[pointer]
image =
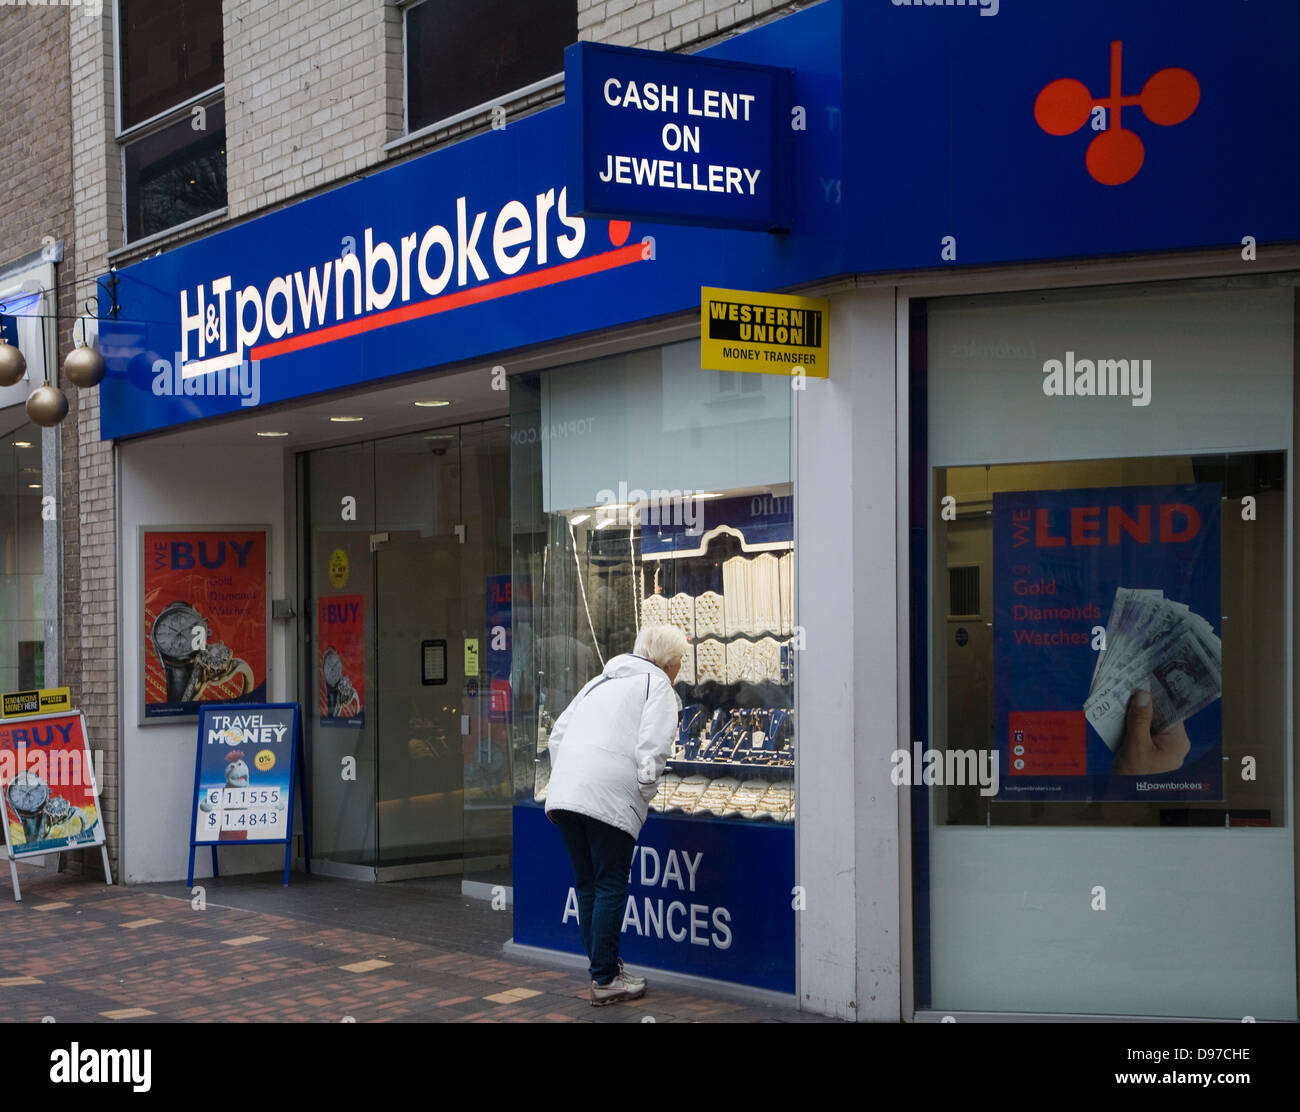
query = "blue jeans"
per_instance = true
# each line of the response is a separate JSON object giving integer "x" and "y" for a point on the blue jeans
{"x": 602, "y": 856}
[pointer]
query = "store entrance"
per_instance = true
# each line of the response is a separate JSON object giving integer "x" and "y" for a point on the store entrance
{"x": 406, "y": 645}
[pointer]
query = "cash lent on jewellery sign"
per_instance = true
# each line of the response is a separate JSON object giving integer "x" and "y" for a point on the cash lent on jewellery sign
{"x": 772, "y": 333}
{"x": 677, "y": 139}
{"x": 47, "y": 700}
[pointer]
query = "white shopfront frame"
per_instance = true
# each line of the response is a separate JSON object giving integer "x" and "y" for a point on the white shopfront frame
{"x": 1220, "y": 264}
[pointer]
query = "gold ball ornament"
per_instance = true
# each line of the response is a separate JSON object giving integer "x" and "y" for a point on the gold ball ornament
{"x": 12, "y": 364}
{"x": 47, "y": 405}
{"x": 84, "y": 366}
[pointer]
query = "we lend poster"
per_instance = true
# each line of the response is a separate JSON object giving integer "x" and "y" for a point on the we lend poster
{"x": 1104, "y": 598}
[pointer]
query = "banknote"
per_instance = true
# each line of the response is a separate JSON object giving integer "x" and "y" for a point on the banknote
{"x": 1157, "y": 645}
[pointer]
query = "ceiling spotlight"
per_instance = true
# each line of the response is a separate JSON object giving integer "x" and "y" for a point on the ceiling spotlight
{"x": 33, "y": 486}
{"x": 346, "y": 420}
{"x": 431, "y": 403}
{"x": 272, "y": 434}
{"x": 22, "y": 443}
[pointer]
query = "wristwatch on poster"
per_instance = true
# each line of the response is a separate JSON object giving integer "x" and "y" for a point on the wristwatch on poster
{"x": 189, "y": 671}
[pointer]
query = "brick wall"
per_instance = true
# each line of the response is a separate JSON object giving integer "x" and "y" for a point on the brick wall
{"x": 307, "y": 95}
{"x": 92, "y": 559}
{"x": 673, "y": 24}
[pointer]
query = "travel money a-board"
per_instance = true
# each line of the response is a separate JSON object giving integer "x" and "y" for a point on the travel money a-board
{"x": 51, "y": 796}
{"x": 248, "y": 760}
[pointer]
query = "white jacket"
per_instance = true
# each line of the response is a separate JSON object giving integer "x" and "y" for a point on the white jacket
{"x": 610, "y": 745}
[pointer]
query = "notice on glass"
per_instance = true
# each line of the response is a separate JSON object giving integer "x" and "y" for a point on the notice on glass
{"x": 341, "y": 626}
{"x": 1108, "y": 667}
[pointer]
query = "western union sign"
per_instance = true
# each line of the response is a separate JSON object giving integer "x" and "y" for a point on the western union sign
{"x": 48, "y": 700}
{"x": 772, "y": 333}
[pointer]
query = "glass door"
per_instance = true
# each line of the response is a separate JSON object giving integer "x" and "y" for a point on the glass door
{"x": 408, "y": 650}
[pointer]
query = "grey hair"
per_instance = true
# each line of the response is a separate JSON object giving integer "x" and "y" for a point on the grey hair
{"x": 664, "y": 644}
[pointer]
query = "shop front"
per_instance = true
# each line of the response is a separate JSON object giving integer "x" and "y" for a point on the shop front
{"x": 1049, "y": 465}
{"x": 466, "y": 430}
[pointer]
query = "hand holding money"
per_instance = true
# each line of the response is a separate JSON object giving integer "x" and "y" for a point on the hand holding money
{"x": 1144, "y": 754}
{"x": 1160, "y": 647}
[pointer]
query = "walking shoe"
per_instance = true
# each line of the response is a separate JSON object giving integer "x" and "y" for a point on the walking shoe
{"x": 633, "y": 981}
{"x": 617, "y": 989}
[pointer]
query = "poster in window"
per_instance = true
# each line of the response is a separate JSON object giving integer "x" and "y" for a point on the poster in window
{"x": 1107, "y": 657}
{"x": 341, "y": 628}
{"x": 204, "y": 622}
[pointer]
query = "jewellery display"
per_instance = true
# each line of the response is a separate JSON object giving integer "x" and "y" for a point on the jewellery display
{"x": 744, "y": 800}
{"x": 687, "y": 794}
{"x": 785, "y": 573}
{"x": 709, "y": 617}
{"x": 716, "y": 796}
{"x": 687, "y": 673}
{"x": 681, "y": 613}
{"x": 776, "y": 803}
{"x": 735, "y": 595}
{"x": 731, "y": 594}
{"x": 741, "y": 663}
{"x": 654, "y": 610}
{"x": 710, "y": 662}
{"x": 664, "y": 792}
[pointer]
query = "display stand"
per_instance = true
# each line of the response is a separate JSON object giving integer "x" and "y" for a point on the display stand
{"x": 52, "y": 814}
{"x": 242, "y": 784}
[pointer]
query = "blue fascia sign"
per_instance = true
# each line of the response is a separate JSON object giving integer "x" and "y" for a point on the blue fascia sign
{"x": 677, "y": 139}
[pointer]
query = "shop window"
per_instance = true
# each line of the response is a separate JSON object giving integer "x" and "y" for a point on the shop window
{"x": 22, "y": 570}
{"x": 639, "y": 499}
{"x": 1101, "y": 637}
{"x": 171, "y": 112}
{"x": 461, "y": 54}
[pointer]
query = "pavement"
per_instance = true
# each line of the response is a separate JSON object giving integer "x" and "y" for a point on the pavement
{"x": 321, "y": 950}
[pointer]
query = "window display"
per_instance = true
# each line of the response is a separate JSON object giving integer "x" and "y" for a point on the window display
{"x": 623, "y": 531}
{"x": 1102, "y": 609}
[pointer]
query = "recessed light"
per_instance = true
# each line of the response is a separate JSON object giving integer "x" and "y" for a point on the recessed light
{"x": 33, "y": 486}
{"x": 22, "y": 443}
{"x": 430, "y": 403}
{"x": 272, "y": 434}
{"x": 346, "y": 420}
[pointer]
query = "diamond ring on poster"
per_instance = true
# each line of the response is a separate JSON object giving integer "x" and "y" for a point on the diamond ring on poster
{"x": 51, "y": 797}
{"x": 248, "y": 760}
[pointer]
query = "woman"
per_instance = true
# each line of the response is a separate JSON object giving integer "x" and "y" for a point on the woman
{"x": 608, "y": 750}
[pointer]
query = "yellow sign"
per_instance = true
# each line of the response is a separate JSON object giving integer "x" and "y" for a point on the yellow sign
{"x": 771, "y": 333}
{"x": 48, "y": 700}
{"x": 338, "y": 569}
{"x": 471, "y": 656}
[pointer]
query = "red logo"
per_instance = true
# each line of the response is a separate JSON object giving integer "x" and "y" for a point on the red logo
{"x": 1115, "y": 156}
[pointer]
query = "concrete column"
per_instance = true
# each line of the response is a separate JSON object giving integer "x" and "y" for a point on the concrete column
{"x": 846, "y": 552}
